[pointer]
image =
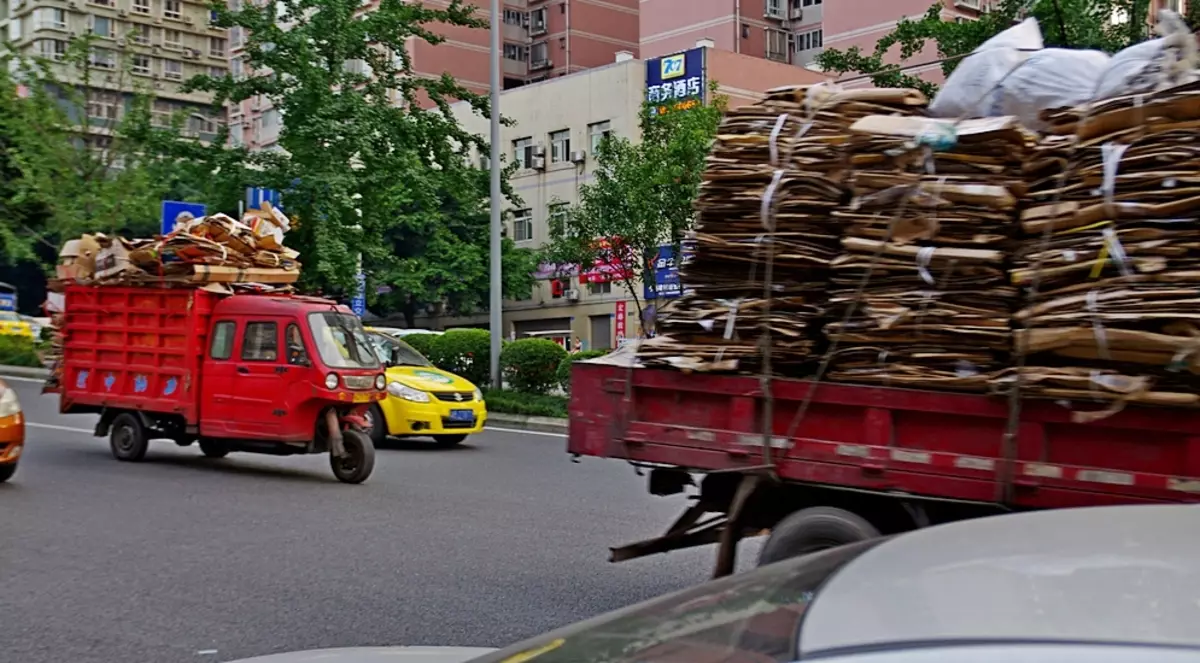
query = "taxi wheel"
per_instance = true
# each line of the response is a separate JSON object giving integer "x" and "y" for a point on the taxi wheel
{"x": 7, "y": 471}
{"x": 213, "y": 449}
{"x": 378, "y": 429}
{"x": 359, "y": 460}
{"x": 127, "y": 439}
{"x": 447, "y": 441}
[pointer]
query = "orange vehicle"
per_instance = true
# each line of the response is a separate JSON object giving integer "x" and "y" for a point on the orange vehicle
{"x": 272, "y": 374}
{"x": 12, "y": 431}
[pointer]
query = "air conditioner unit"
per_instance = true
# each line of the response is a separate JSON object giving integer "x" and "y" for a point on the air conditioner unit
{"x": 187, "y": 19}
{"x": 484, "y": 162}
{"x": 539, "y": 150}
{"x": 572, "y": 294}
{"x": 578, "y": 156}
{"x": 797, "y": 14}
{"x": 539, "y": 163}
{"x": 122, "y": 13}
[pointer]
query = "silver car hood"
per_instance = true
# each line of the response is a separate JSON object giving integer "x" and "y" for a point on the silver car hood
{"x": 375, "y": 655}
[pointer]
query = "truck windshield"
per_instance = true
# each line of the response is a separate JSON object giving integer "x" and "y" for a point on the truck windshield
{"x": 341, "y": 340}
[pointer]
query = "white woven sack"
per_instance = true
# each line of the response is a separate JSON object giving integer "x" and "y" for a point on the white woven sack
{"x": 971, "y": 90}
{"x": 1051, "y": 78}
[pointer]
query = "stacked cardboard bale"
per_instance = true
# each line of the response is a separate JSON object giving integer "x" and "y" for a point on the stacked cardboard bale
{"x": 1110, "y": 259}
{"x": 919, "y": 295}
{"x": 771, "y": 183}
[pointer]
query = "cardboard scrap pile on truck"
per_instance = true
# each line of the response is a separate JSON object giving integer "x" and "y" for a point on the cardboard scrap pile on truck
{"x": 901, "y": 313}
{"x": 197, "y": 337}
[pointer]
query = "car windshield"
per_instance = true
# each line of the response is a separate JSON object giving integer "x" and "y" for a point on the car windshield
{"x": 341, "y": 340}
{"x": 394, "y": 352}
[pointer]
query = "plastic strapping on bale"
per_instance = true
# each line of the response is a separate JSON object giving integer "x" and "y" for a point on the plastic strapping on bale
{"x": 1098, "y": 325}
{"x": 775, "y": 136}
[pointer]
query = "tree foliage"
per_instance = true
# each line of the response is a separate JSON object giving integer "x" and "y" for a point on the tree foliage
{"x": 1064, "y": 23}
{"x": 363, "y": 168}
{"x": 641, "y": 197}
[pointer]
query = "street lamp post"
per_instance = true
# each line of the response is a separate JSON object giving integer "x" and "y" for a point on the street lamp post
{"x": 496, "y": 317}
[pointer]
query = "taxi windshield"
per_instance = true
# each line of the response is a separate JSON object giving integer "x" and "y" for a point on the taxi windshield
{"x": 394, "y": 352}
{"x": 341, "y": 340}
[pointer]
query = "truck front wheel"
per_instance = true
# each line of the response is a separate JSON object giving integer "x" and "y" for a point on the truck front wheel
{"x": 359, "y": 460}
{"x": 127, "y": 439}
{"x": 213, "y": 448}
{"x": 813, "y": 529}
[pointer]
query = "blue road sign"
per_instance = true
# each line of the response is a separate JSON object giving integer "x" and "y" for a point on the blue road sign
{"x": 174, "y": 211}
{"x": 359, "y": 303}
{"x": 256, "y": 195}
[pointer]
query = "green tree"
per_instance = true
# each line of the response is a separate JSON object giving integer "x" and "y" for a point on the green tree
{"x": 641, "y": 197}
{"x": 1064, "y": 23}
{"x": 364, "y": 169}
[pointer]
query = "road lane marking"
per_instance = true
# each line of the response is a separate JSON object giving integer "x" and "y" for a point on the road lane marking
{"x": 523, "y": 432}
{"x": 86, "y": 431}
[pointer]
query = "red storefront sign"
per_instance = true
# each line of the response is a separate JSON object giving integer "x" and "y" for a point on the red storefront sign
{"x": 619, "y": 321}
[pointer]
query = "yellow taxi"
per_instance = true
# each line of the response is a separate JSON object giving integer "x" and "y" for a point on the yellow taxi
{"x": 423, "y": 400}
{"x": 12, "y": 431}
{"x": 11, "y": 324}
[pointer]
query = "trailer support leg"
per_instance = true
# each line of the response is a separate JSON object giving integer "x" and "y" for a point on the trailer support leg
{"x": 732, "y": 533}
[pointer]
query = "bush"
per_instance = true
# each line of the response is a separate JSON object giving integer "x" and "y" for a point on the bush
{"x": 18, "y": 351}
{"x": 564, "y": 367}
{"x": 532, "y": 405}
{"x": 423, "y": 343}
{"x": 531, "y": 364}
{"x": 465, "y": 352}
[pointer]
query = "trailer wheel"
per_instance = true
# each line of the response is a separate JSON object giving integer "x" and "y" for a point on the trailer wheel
{"x": 359, "y": 460}
{"x": 813, "y": 529}
{"x": 213, "y": 448}
{"x": 127, "y": 439}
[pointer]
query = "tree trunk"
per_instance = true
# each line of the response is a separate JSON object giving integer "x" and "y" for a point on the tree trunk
{"x": 410, "y": 313}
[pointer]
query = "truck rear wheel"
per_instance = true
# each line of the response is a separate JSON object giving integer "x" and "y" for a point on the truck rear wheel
{"x": 359, "y": 460}
{"x": 813, "y": 529}
{"x": 213, "y": 448}
{"x": 7, "y": 471}
{"x": 127, "y": 439}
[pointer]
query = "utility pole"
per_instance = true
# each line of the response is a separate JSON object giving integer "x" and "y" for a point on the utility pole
{"x": 497, "y": 299}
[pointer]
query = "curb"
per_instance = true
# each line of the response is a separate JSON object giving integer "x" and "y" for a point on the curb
{"x": 524, "y": 422}
{"x": 24, "y": 372}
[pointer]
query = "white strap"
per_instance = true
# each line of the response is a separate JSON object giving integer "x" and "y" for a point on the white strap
{"x": 779, "y": 122}
{"x": 924, "y": 255}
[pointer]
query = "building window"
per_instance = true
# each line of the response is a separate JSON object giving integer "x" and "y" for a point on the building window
{"x": 102, "y": 3}
{"x": 216, "y": 47}
{"x": 161, "y": 113}
{"x": 537, "y": 21}
{"x": 560, "y": 146}
{"x": 173, "y": 69}
{"x": 237, "y": 37}
{"x": 235, "y": 68}
{"x": 52, "y": 49}
{"x": 523, "y": 225}
{"x": 173, "y": 9}
{"x": 103, "y": 58}
{"x": 539, "y": 55}
{"x": 516, "y": 52}
{"x": 48, "y": 18}
{"x": 600, "y": 288}
{"x": 104, "y": 106}
{"x": 235, "y": 135}
{"x": 807, "y": 41}
{"x": 557, "y": 213}
{"x": 140, "y": 64}
{"x": 102, "y": 27}
{"x": 777, "y": 45}
{"x": 514, "y": 17}
{"x": 597, "y": 132}
{"x": 172, "y": 39}
{"x": 140, "y": 33}
{"x": 270, "y": 120}
{"x": 141, "y": 6}
{"x": 201, "y": 124}
{"x": 775, "y": 9}
{"x": 216, "y": 72}
{"x": 523, "y": 152}
{"x": 810, "y": 3}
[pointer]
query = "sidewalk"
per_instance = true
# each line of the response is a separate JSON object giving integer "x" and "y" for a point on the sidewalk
{"x": 23, "y": 372}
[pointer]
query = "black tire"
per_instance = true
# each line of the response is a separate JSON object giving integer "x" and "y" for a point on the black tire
{"x": 127, "y": 439}
{"x": 214, "y": 448}
{"x": 7, "y": 471}
{"x": 359, "y": 460}
{"x": 447, "y": 441}
{"x": 813, "y": 529}
{"x": 378, "y": 431}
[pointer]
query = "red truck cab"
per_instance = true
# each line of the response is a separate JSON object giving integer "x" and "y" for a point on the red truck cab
{"x": 276, "y": 374}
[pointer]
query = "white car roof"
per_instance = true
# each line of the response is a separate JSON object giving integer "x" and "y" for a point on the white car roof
{"x": 1113, "y": 574}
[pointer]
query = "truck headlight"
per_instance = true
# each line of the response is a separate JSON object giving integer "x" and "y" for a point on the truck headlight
{"x": 380, "y": 382}
{"x": 331, "y": 381}
{"x": 407, "y": 393}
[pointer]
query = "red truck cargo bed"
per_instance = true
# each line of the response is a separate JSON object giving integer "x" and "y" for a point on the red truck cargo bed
{"x": 879, "y": 439}
{"x": 134, "y": 348}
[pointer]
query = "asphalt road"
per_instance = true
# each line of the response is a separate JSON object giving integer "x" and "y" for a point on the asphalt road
{"x": 182, "y": 558}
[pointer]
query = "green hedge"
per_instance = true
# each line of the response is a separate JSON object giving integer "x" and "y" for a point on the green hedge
{"x": 465, "y": 352}
{"x": 18, "y": 351}
{"x": 533, "y": 405}
{"x": 531, "y": 364}
{"x": 423, "y": 343}
{"x": 564, "y": 367}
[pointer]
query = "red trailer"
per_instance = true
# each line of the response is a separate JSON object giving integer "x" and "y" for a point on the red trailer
{"x": 274, "y": 374}
{"x": 862, "y": 461}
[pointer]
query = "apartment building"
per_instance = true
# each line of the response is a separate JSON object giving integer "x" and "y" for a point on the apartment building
{"x": 557, "y": 125}
{"x": 147, "y": 46}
